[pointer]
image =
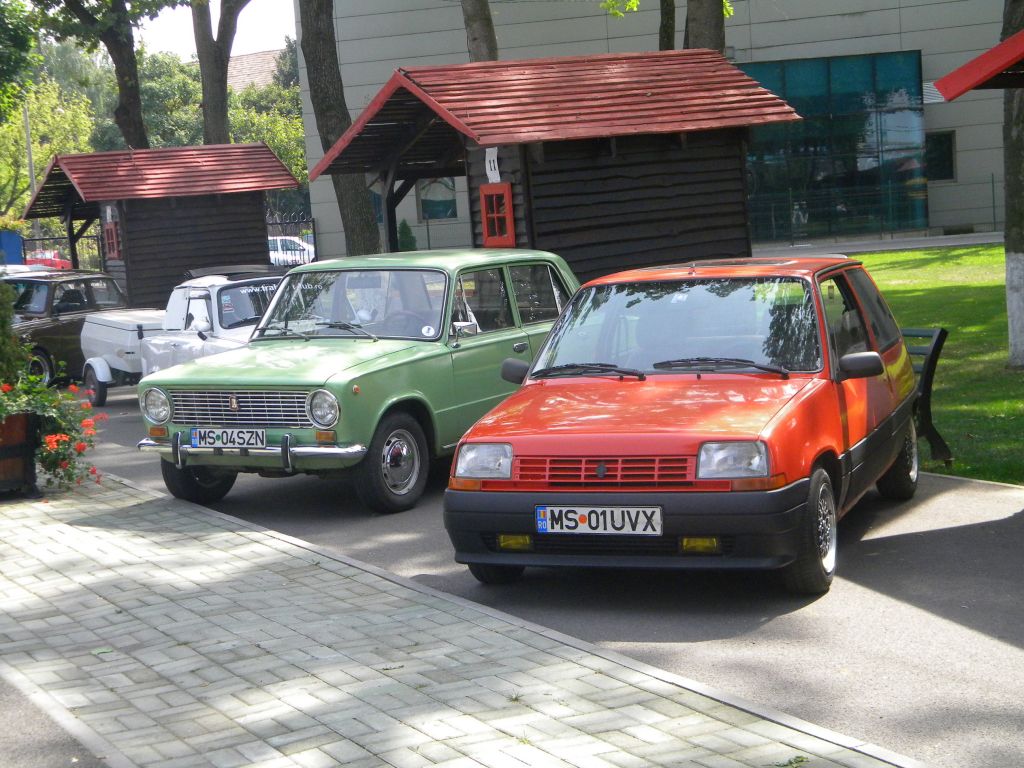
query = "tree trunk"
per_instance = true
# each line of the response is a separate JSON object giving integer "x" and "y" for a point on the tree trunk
{"x": 667, "y": 27}
{"x": 705, "y": 25}
{"x": 481, "y": 41}
{"x": 1013, "y": 171}
{"x": 120, "y": 44}
{"x": 214, "y": 55}
{"x": 327, "y": 95}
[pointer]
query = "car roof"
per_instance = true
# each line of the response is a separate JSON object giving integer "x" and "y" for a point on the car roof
{"x": 209, "y": 281}
{"x": 803, "y": 267}
{"x": 54, "y": 276}
{"x": 445, "y": 259}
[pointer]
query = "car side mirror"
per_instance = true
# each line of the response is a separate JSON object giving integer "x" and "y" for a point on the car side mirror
{"x": 461, "y": 329}
{"x": 860, "y": 365}
{"x": 514, "y": 370}
{"x": 202, "y": 327}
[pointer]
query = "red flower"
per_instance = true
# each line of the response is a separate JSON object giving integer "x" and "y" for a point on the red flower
{"x": 88, "y": 423}
{"x": 64, "y": 464}
{"x": 5, "y": 388}
{"x": 86, "y": 405}
{"x": 73, "y": 388}
{"x": 102, "y": 416}
{"x": 89, "y": 432}
{"x": 80, "y": 447}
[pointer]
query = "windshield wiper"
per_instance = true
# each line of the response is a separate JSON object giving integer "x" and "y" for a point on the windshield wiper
{"x": 711, "y": 363}
{"x": 348, "y": 327}
{"x": 284, "y": 332}
{"x": 582, "y": 369}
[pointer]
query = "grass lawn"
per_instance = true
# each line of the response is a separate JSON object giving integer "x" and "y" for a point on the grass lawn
{"x": 977, "y": 402}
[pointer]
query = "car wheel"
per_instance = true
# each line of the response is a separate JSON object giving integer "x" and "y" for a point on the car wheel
{"x": 200, "y": 485}
{"x": 392, "y": 476}
{"x": 39, "y": 365}
{"x": 95, "y": 389}
{"x": 899, "y": 482}
{"x": 815, "y": 565}
{"x": 496, "y": 574}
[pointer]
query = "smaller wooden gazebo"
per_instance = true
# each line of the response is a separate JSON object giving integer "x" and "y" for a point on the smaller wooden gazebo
{"x": 165, "y": 211}
{"x": 609, "y": 160}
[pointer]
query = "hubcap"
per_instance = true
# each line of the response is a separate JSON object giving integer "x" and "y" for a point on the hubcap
{"x": 826, "y": 514}
{"x": 912, "y": 445}
{"x": 400, "y": 462}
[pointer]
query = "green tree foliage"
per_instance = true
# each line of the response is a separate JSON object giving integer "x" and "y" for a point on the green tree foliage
{"x": 109, "y": 23}
{"x": 287, "y": 73}
{"x": 170, "y": 94}
{"x": 617, "y": 8}
{"x": 406, "y": 239}
{"x": 15, "y": 53}
{"x": 60, "y": 124}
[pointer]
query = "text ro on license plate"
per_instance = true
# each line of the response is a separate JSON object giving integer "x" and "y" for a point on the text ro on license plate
{"x": 228, "y": 438}
{"x": 641, "y": 521}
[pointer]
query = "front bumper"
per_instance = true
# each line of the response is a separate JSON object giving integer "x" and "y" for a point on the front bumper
{"x": 757, "y": 530}
{"x": 286, "y": 456}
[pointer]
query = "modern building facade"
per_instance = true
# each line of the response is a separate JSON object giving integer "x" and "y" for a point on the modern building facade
{"x": 878, "y": 150}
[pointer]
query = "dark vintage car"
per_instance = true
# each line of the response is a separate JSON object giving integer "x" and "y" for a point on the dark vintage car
{"x": 50, "y": 308}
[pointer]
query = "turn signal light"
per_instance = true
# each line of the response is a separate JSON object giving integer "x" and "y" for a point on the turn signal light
{"x": 158, "y": 431}
{"x": 465, "y": 483}
{"x": 325, "y": 436}
{"x": 517, "y": 541}
{"x": 699, "y": 545}
{"x": 758, "y": 483}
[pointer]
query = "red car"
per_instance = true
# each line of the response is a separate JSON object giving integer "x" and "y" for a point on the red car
{"x": 710, "y": 415}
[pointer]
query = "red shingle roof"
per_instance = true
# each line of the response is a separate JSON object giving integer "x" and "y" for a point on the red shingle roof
{"x": 574, "y": 97}
{"x": 86, "y": 180}
{"x": 998, "y": 67}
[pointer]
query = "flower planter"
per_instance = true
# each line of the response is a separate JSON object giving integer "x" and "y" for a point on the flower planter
{"x": 19, "y": 438}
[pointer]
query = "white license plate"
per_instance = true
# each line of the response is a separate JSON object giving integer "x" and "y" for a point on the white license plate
{"x": 228, "y": 438}
{"x": 639, "y": 521}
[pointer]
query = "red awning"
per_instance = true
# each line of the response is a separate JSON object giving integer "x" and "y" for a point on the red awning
{"x": 82, "y": 181}
{"x": 998, "y": 67}
{"x": 425, "y": 114}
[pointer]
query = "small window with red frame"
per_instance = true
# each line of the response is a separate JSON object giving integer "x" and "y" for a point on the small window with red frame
{"x": 111, "y": 241}
{"x": 496, "y": 211}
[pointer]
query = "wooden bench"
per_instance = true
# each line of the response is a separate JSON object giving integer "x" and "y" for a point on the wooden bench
{"x": 924, "y": 346}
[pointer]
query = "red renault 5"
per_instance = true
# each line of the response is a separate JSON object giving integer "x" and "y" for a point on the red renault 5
{"x": 717, "y": 414}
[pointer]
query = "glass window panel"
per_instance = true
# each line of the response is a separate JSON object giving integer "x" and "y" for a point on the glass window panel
{"x": 940, "y": 155}
{"x": 807, "y": 85}
{"x": 768, "y": 74}
{"x": 852, "y": 84}
{"x": 898, "y": 79}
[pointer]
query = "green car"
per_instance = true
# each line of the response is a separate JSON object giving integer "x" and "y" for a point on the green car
{"x": 366, "y": 367}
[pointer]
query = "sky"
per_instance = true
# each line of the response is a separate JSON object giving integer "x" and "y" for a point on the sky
{"x": 262, "y": 26}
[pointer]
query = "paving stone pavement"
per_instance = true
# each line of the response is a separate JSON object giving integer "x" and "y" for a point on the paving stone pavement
{"x": 160, "y": 633}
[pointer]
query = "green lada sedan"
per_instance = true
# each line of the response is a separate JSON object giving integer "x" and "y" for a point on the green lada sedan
{"x": 365, "y": 367}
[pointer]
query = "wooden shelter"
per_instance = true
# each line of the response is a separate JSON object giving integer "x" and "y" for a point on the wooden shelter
{"x": 165, "y": 211}
{"x": 998, "y": 67}
{"x": 610, "y": 160}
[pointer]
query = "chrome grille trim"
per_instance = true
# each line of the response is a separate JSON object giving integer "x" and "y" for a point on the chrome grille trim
{"x": 269, "y": 409}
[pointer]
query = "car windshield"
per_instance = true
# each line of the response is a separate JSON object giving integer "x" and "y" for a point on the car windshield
{"x": 241, "y": 305}
{"x": 376, "y": 303}
{"x": 31, "y": 298}
{"x": 697, "y": 324}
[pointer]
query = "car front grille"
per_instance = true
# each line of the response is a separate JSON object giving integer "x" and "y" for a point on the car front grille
{"x": 268, "y": 409}
{"x": 610, "y": 545}
{"x": 599, "y": 472}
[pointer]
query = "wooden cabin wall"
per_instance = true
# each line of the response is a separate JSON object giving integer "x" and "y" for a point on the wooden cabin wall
{"x": 656, "y": 200}
{"x": 165, "y": 237}
{"x": 511, "y": 165}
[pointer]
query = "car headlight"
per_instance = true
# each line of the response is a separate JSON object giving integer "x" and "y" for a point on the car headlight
{"x": 484, "y": 460}
{"x": 323, "y": 409}
{"x": 730, "y": 460}
{"x": 156, "y": 406}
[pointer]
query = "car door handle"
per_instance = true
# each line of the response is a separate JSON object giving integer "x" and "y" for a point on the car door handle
{"x": 520, "y": 346}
